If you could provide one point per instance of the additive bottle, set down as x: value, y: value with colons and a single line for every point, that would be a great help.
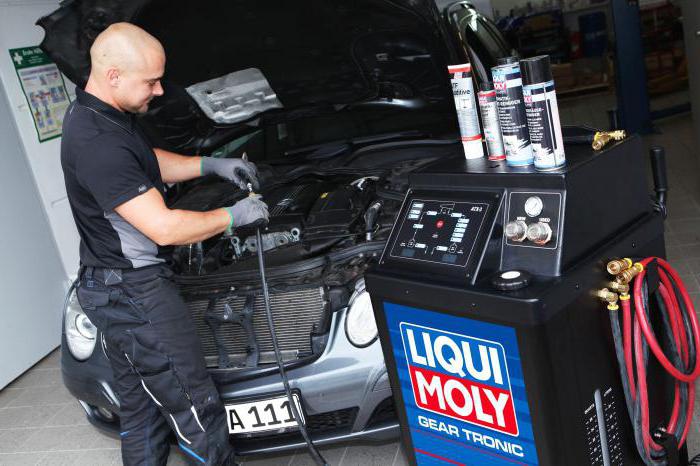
x: 467, y: 113
x: 511, y: 112
x: 489, y: 118
x: 542, y: 113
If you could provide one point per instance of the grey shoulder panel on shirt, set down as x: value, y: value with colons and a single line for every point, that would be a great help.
x: 137, y: 248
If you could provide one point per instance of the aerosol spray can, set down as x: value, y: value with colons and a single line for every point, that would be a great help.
x: 489, y: 118
x: 467, y: 113
x: 511, y: 112
x: 542, y: 113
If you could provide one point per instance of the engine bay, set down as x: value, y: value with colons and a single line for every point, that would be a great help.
x: 331, y: 211
x: 311, y: 216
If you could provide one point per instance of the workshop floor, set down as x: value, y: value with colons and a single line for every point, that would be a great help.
x: 42, y: 424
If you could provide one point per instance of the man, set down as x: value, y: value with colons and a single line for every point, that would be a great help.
x: 115, y: 183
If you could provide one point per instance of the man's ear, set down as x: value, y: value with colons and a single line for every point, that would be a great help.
x: 113, y: 77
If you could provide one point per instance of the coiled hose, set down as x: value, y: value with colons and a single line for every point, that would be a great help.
x: 635, y: 339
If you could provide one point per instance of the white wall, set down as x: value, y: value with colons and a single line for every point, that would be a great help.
x: 17, y: 29
x: 39, y: 240
x: 32, y: 282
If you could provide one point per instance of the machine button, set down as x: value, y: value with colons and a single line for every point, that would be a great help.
x: 511, y: 280
x: 440, y: 223
x: 539, y: 233
x: 534, y: 206
x: 516, y: 231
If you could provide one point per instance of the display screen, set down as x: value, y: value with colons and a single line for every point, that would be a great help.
x: 439, y: 231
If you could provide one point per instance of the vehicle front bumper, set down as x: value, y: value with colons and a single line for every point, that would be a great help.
x: 343, y: 380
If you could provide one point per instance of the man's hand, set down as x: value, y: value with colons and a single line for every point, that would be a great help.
x: 248, y: 211
x: 237, y: 171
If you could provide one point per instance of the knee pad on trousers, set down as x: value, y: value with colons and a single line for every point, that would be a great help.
x: 161, y: 382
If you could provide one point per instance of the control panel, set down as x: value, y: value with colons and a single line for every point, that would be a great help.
x: 439, y: 231
x: 533, y: 219
x: 443, y: 232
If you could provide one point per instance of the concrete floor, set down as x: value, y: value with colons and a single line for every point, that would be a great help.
x: 42, y: 424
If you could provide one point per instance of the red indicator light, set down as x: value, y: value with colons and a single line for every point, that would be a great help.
x: 440, y: 224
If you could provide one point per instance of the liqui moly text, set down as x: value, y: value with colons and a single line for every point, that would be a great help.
x: 461, y: 377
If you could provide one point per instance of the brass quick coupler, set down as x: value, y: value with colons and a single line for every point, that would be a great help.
x: 626, y: 276
x: 607, y: 295
x: 618, y: 265
x: 622, y: 288
x: 602, y: 138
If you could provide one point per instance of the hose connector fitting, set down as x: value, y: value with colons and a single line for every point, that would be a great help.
x: 618, y: 265
x: 607, y: 295
x: 626, y: 276
x: 622, y: 288
x: 602, y: 138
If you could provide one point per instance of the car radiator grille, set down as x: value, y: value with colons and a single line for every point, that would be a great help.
x: 296, y: 313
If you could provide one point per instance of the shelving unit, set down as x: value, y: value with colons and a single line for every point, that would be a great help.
x: 586, y: 9
x: 548, y: 31
x: 664, y: 51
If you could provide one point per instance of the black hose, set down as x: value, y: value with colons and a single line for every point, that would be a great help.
x: 315, y: 454
x: 653, y: 458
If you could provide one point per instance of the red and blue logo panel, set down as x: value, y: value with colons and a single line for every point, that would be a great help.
x: 463, y: 389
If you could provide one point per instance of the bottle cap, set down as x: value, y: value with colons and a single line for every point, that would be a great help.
x: 507, y: 60
x: 536, y: 70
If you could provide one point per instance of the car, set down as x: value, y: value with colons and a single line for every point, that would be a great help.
x: 337, y: 102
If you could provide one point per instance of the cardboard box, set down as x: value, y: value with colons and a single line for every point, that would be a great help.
x: 652, y: 62
x: 590, y: 70
x: 666, y: 61
x: 563, y: 76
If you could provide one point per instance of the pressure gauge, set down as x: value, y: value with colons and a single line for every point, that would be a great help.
x: 533, y: 206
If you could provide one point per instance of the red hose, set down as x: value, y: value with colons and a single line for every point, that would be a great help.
x: 673, y: 307
x: 627, y: 339
x: 638, y: 328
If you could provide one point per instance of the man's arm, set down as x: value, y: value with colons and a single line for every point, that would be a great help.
x: 175, y: 167
x: 149, y: 214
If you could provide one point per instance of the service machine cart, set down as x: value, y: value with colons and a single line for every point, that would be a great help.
x: 499, y: 348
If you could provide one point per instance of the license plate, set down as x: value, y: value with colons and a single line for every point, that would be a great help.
x: 262, y: 415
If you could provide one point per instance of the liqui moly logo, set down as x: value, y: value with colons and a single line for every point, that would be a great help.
x: 459, y: 376
x: 500, y: 85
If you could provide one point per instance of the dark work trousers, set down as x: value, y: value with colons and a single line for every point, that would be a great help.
x: 159, y: 371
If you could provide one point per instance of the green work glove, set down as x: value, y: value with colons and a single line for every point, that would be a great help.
x: 237, y: 171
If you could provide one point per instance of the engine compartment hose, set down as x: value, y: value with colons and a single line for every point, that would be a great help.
x: 657, y: 287
x: 313, y: 451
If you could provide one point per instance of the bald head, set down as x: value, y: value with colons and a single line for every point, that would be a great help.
x: 127, y: 65
x: 125, y: 47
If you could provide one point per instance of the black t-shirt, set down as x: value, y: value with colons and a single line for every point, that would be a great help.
x: 106, y: 162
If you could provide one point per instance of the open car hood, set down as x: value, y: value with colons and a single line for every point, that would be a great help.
x: 323, y: 61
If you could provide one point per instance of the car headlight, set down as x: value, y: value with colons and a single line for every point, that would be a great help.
x: 81, y: 334
x: 360, y: 325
